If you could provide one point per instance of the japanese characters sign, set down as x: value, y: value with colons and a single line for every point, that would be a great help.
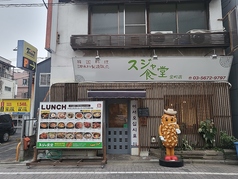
x: 194, y: 68
x: 134, y: 124
x: 15, y: 105
x: 70, y: 125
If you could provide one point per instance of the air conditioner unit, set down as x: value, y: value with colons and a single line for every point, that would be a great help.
x: 199, y: 36
x: 159, y: 37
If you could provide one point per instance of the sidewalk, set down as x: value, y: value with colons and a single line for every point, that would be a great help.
x: 153, y: 156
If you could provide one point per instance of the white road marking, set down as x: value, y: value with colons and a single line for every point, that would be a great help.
x: 105, y: 173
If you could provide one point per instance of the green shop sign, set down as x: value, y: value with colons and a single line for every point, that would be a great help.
x: 71, y: 145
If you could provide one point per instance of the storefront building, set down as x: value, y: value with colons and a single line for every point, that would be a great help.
x: 140, y: 58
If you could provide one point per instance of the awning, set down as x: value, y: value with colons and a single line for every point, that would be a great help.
x: 117, y: 94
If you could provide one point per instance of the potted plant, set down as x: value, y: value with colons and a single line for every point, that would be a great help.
x: 236, y: 146
x: 208, y: 132
x: 228, y: 141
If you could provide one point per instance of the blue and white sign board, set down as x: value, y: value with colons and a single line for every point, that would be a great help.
x: 26, y: 56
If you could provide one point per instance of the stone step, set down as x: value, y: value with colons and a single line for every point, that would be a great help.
x: 200, y: 154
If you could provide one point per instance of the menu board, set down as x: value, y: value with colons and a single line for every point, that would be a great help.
x: 70, y: 125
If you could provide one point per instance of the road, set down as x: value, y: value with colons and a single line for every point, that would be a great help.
x: 120, y: 170
x: 8, y: 149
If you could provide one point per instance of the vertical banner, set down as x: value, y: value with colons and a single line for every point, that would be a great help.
x: 134, y: 124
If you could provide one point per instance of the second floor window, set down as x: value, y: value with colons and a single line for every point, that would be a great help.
x: 24, y: 82
x: 44, y: 79
x: 109, y: 19
x: 8, y: 88
x: 132, y: 18
x: 24, y: 95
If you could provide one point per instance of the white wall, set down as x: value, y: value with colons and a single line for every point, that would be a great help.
x: 215, y: 14
x: 7, y: 94
x: 72, y: 20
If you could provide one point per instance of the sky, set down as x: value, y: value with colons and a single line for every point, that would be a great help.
x: 22, y: 23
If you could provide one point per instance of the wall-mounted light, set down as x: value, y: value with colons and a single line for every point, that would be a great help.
x: 155, y: 57
x: 152, y: 139
x: 97, y: 58
x: 214, y: 55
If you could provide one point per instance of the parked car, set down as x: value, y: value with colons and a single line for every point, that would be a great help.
x: 6, y: 127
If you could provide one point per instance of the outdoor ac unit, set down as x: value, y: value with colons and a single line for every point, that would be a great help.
x: 199, y: 36
x: 159, y: 37
x: 161, y: 32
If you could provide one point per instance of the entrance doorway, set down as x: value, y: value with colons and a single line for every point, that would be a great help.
x: 118, y: 139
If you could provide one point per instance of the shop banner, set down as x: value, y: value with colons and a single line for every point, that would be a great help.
x: 134, y: 124
x: 70, y: 125
x: 15, y: 105
x: 170, y: 69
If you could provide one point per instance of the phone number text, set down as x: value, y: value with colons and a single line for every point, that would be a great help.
x: 207, y: 77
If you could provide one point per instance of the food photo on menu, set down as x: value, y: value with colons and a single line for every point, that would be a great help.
x: 45, y: 115
x: 53, y: 115
x: 87, y: 124
x: 88, y: 115
x: 96, y: 125
x: 97, y: 115
x: 60, y: 135
x: 44, y: 125
x: 61, y: 115
x: 78, y: 115
x: 70, y: 115
x: 52, y: 125
x: 78, y: 135
x: 78, y: 125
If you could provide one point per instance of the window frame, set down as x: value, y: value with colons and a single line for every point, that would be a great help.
x: 147, y: 18
x: 47, y: 83
x: 7, y: 88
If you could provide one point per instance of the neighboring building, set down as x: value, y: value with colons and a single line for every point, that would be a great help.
x: 22, y: 78
x: 7, y: 83
x: 230, y: 11
x: 140, y: 57
x: 42, y: 83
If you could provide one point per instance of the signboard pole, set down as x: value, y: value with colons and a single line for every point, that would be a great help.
x: 31, y: 94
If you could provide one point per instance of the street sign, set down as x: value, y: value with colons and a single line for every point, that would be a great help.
x: 28, y: 64
x: 26, y: 56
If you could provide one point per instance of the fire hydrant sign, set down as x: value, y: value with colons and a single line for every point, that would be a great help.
x: 70, y: 125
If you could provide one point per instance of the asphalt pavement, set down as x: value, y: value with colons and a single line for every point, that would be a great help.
x: 8, y: 149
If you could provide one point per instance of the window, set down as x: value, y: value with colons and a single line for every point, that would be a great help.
x: 24, y: 95
x: 163, y: 17
x: 191, y: 16
x: 109, y: 19
x: 44, y: 79
x: 132, y: 18
x: 179, y: 18
x: 25, y: 82
x: 135, y: 19
x: 8, y: 88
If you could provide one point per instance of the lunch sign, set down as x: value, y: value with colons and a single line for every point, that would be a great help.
x: 70, y: 125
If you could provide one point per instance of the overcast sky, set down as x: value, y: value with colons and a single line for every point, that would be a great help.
x: 22, y: 23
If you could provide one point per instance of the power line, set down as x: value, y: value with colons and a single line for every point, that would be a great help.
x: 32, y: 4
